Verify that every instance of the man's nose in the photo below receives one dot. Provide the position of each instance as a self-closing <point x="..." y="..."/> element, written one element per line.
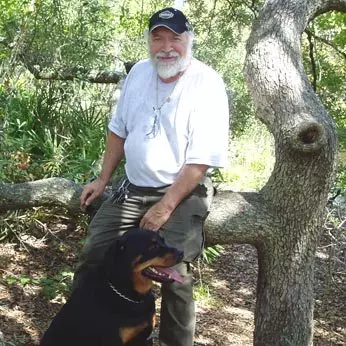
<point x="167" y="46"/>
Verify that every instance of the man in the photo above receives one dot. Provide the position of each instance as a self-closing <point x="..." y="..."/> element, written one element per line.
<point x="171" y="125"/>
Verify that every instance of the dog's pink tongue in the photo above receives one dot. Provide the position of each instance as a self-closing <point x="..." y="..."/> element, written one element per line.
<point x="173" y="274"/>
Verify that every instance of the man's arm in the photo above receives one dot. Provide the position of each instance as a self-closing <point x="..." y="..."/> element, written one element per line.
<point x="114" y="153"/>
<point x="187" y="180"/>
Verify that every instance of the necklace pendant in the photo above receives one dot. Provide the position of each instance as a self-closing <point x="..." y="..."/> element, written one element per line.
<point x="157" y="111"/>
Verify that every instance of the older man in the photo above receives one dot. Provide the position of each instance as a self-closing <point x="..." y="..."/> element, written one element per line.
<point x="171" y="125"/>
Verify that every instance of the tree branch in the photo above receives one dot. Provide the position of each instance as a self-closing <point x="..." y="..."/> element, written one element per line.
<point x="92" y="76"/>
<point x="48" y="192"/>
<point x="244" y="218"/>
<point x="71" y="73"/>
<point x="212" y="16"/>
<point x="329" y="43"/>
<point x="332" y="5"/>
<point x="234" y="217"/>
<point x="312" y="60"/>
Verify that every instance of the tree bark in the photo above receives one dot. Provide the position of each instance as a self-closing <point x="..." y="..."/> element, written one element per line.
<point x="51" y="192"/>
<point x="47" y="192"/>
<point x="305" y="150"/>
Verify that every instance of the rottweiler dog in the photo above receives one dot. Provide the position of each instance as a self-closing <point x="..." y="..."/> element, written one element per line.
<point x="115" y="305"/>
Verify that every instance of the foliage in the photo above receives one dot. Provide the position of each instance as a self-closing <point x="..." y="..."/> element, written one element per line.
<point x="20" y="226"/>
<point x="329" y="54"/>
<point x="334" y="235"/>
<point x="251" y="158"/>
<point x="201" y="289"/>
<point x="79" y="31"/>
<point x="211" y="253"/>
<point x="14" y="224"/>
<point x="56" y="130"/>
<point x="132" y="22"/>
<point x="220" y="43"/>
<point x="50" y="287"/>
<point x="201" y="292"/>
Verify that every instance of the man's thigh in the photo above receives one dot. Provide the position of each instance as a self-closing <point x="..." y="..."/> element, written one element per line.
<point x="113" y="219"/>
<point x="184" y="229"/>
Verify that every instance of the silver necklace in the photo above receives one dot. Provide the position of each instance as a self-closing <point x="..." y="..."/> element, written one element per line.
<point x="123" y="296"/>
<point x="157" y="110"/>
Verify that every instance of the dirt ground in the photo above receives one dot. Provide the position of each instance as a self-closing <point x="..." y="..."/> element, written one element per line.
<point x="225" y="290"/>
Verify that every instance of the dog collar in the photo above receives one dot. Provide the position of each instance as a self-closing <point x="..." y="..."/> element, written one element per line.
<point x="123" y="296"/>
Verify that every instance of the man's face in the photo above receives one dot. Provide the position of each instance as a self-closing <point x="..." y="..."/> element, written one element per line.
<point x="169" y="51"/>
<point x="164" y="40"/>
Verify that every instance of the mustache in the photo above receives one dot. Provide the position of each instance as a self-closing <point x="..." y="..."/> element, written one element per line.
<point x="167" y="55"/>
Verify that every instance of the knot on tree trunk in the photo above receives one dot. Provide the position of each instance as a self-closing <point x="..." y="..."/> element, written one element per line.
<point x="308" y="137"/>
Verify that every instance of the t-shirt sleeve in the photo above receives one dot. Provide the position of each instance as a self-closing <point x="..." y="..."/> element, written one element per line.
<point x="209" y="125"/>
<point x="117" y="122"/>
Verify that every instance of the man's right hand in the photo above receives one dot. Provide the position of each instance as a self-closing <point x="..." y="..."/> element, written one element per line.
<point x="91" y="191"/>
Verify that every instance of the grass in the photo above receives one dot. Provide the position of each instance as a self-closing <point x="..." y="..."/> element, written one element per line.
<point x="251" y="159"/>
<point x="201" y="292"/>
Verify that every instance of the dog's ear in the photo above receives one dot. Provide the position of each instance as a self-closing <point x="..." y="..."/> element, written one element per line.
<point x="118" y="249"/>
<point x="117" y="246"/>
<point x="111" y="254"/>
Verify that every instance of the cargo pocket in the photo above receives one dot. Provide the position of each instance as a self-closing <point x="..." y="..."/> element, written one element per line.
<point x="184" y="230"/>
<point x="196" y="245"/>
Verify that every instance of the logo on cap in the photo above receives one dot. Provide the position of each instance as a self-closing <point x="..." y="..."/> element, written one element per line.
<point x="166" y="15"/>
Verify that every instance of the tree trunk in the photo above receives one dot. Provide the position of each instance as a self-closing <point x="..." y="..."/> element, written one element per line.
<point x="306" y="150"/>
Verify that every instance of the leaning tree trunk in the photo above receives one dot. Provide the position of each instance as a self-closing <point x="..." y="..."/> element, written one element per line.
<point x="305" y="150"/>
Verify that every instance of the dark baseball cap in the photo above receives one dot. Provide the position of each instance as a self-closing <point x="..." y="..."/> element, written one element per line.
<point x="170" y="18"/>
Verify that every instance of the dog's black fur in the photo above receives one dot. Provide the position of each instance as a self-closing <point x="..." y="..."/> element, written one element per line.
<point x="98" y="315"/>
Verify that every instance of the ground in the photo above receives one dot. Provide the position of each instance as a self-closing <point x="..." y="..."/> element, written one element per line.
<point x="36" y="271"/>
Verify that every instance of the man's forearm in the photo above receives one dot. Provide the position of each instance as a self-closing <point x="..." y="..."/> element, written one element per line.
<point x="187" y="180"/>
<point x="185" y="183"/>
<point x="114" y="153"/>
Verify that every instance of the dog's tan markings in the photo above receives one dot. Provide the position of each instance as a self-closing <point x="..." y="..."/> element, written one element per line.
<point x="129" y="333"/>
<point x="143" y="284"/>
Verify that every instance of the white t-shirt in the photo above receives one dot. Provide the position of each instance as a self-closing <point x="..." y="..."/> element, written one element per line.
<point x="190" y="128"/>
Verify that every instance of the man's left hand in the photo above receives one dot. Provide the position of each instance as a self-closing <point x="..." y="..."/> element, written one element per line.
<point x="155" y="217"/>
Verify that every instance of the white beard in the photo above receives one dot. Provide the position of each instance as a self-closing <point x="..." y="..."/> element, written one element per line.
<point x="170" y="69"/>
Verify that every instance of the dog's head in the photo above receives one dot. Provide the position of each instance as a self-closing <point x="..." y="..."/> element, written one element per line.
<point x="141" y="256"/>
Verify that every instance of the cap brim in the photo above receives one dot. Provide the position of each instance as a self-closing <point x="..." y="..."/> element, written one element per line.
<point x="175" y="28"/>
